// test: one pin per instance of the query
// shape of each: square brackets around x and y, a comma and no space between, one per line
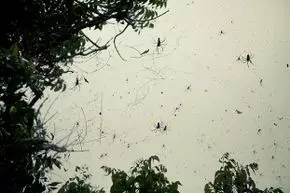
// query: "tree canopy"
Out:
[39,40]
[143,177]
[147,177]
[233,177]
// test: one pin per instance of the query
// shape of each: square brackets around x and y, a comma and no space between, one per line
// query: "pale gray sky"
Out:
[135,94]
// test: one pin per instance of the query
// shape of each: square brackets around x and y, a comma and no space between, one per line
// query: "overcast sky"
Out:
[193,84]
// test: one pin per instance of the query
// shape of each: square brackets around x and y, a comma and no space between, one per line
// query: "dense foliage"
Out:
[79,183]
[144,177]
[235,178]
[38,41]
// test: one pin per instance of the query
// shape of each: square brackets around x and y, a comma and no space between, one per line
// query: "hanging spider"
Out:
[86,80]
[159,44]
[222,32]
[238,112]
[157,127]
[164,129]
[188,88]
[160,127]
[249,58]
[77,83]
[261,82]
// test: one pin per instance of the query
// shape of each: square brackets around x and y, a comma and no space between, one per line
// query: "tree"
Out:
[144,177]
[235,178]
[79,183]
[39,39]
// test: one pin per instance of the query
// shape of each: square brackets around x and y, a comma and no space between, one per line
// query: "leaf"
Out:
[14,50]
[57,163]
[54,183]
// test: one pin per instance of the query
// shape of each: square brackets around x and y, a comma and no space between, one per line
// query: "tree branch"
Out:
[116,38]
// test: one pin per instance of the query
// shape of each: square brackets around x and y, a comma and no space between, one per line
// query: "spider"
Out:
[261,82]
[77,81]
[188,88]
[159,44]
[164,129]
[238,112]
[157,127]
[160,127]
[247,59]
[239,58]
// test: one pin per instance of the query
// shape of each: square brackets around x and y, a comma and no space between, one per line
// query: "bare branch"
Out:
[115,41]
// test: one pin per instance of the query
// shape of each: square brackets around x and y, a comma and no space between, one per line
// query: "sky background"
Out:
[194,85]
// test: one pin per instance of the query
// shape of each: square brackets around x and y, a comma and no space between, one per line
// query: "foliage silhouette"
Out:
[39,40]
[144,177]
[235,178]
[79,184]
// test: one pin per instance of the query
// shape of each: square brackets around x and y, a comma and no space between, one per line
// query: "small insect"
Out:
[188,88]
[261,82]
[259,131]
[238,112]
[273,157]
[287,65]
[275,144]
[86,80]
[275,124]
[280,118]
[103,155]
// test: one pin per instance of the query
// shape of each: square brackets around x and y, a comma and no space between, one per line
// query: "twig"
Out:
[47,111]
[101,123]
[115,41]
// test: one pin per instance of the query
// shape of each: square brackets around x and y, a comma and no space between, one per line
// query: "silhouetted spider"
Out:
[247,59]
[157,127]
[159,44]
[77,81]
[222,32]
[160,127]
